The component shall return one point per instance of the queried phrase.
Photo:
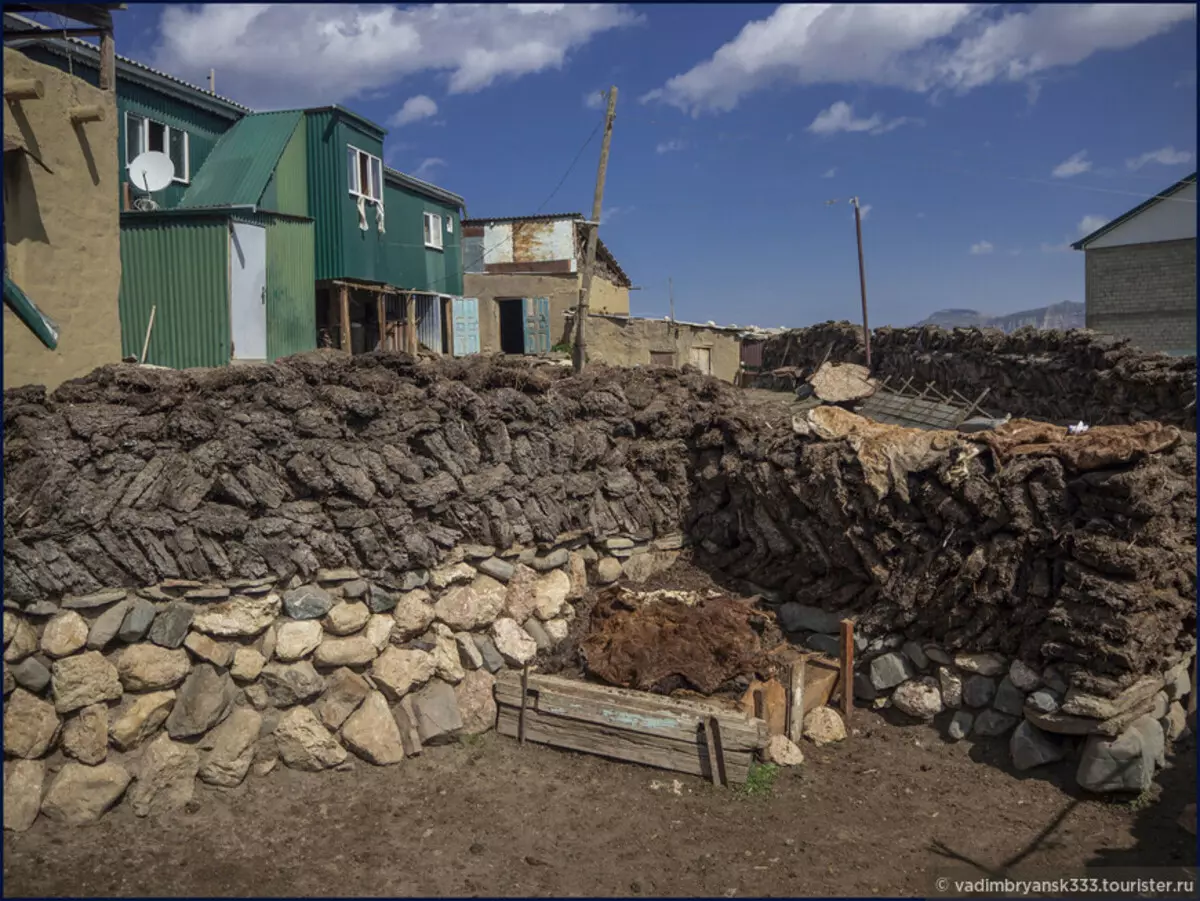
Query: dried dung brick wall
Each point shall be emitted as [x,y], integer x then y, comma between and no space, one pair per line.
[1048,375]
[208,572]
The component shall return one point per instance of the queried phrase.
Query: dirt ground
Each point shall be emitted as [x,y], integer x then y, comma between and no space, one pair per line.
[490,818]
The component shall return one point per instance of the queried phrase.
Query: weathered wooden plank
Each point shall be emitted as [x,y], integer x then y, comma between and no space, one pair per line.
[649,719]
[620,744]
[795,711]
[628,709]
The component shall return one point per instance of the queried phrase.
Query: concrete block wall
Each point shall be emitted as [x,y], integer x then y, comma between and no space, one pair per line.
[1146,293]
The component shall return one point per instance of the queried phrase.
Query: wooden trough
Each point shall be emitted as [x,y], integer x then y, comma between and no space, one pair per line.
[686,736]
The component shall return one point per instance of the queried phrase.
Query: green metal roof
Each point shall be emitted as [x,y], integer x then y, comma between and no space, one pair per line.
[239,167]
[423,187]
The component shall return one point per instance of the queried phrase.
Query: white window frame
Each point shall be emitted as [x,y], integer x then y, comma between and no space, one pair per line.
[356,188]
[145,144]
[435,229]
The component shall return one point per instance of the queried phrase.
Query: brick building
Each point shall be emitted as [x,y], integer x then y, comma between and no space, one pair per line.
[1140,272]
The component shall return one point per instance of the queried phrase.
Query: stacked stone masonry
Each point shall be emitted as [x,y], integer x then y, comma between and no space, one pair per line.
[210,572]
[1049,375]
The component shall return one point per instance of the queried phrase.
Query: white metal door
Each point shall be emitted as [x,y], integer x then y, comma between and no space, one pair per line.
[701,358]
[248,291]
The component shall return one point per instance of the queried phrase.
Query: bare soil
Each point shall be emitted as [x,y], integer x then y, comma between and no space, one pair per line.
[875,815]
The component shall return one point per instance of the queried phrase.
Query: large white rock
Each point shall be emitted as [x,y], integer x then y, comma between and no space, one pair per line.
[353,650]
[81,794]
[550,594]
[65,634]
[413,614]
[83,680]
[783,751]
[239,617]
[919,698]
[85,735]
[166,777]
[304,744]
[445,655]
[296,639]
[824,726]
[23,794]
[981,664]
[513,642]
[147,667]
[30,725]
[398,670]
[473,606]
[231,748]
[476,699]
[371,732]
[347,618]
[134,723]
[379,630]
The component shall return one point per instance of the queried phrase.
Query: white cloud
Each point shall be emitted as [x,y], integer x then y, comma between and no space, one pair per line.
[609,213]
[1167,156]
[429,166]
[864,210]
[981,248]
[830,173]
[918,47]
[1089,224]
[595,100]
[278,55]
[414,109]
[669,146]
[840,117]
[1056,248]
[1076,164]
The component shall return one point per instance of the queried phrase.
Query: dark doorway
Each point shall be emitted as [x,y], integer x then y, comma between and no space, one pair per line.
[512,326]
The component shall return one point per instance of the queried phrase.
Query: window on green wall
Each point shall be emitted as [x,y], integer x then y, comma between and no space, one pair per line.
[433,231]
[143,135]
[365,174]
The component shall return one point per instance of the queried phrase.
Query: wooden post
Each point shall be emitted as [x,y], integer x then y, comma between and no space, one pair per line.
[24,89]
[862,283]
[381,313]
[108,62]
[410,332]
[847,674]
[149,329]
[795,712]
[524,704]
[712,743]
[344,316]
[86,114]
[581,311]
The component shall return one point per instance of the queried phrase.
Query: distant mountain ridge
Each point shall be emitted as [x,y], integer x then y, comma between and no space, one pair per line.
[1068,314]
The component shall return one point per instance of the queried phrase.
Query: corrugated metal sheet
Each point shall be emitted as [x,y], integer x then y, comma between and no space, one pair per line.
[429,322]
[239,167]
[287,191]
[752,354]
[291,297]
[326,186]
[178,266]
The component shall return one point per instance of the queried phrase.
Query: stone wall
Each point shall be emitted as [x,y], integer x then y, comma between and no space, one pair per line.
[1048,375]
[210,570]
[1144,292]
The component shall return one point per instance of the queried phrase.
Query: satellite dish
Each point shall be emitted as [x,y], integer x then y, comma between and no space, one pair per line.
[151,171]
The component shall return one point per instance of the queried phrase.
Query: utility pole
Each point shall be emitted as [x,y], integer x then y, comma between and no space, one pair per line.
[581,311]
[674,330]
[862,277]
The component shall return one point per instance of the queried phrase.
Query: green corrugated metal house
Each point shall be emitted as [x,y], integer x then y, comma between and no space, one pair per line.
[228,273]
[293,208]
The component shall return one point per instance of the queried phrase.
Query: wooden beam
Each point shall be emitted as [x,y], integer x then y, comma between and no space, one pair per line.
[795,710]
[410,333]
[17,89]
[847,667]
[344,317]
[381,315]
[80,114]
[108,61]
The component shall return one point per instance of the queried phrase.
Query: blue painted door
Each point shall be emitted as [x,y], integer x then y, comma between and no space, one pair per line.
[537,325]
[466,326]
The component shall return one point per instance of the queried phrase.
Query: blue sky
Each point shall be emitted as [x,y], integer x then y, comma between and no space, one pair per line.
[980,139]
